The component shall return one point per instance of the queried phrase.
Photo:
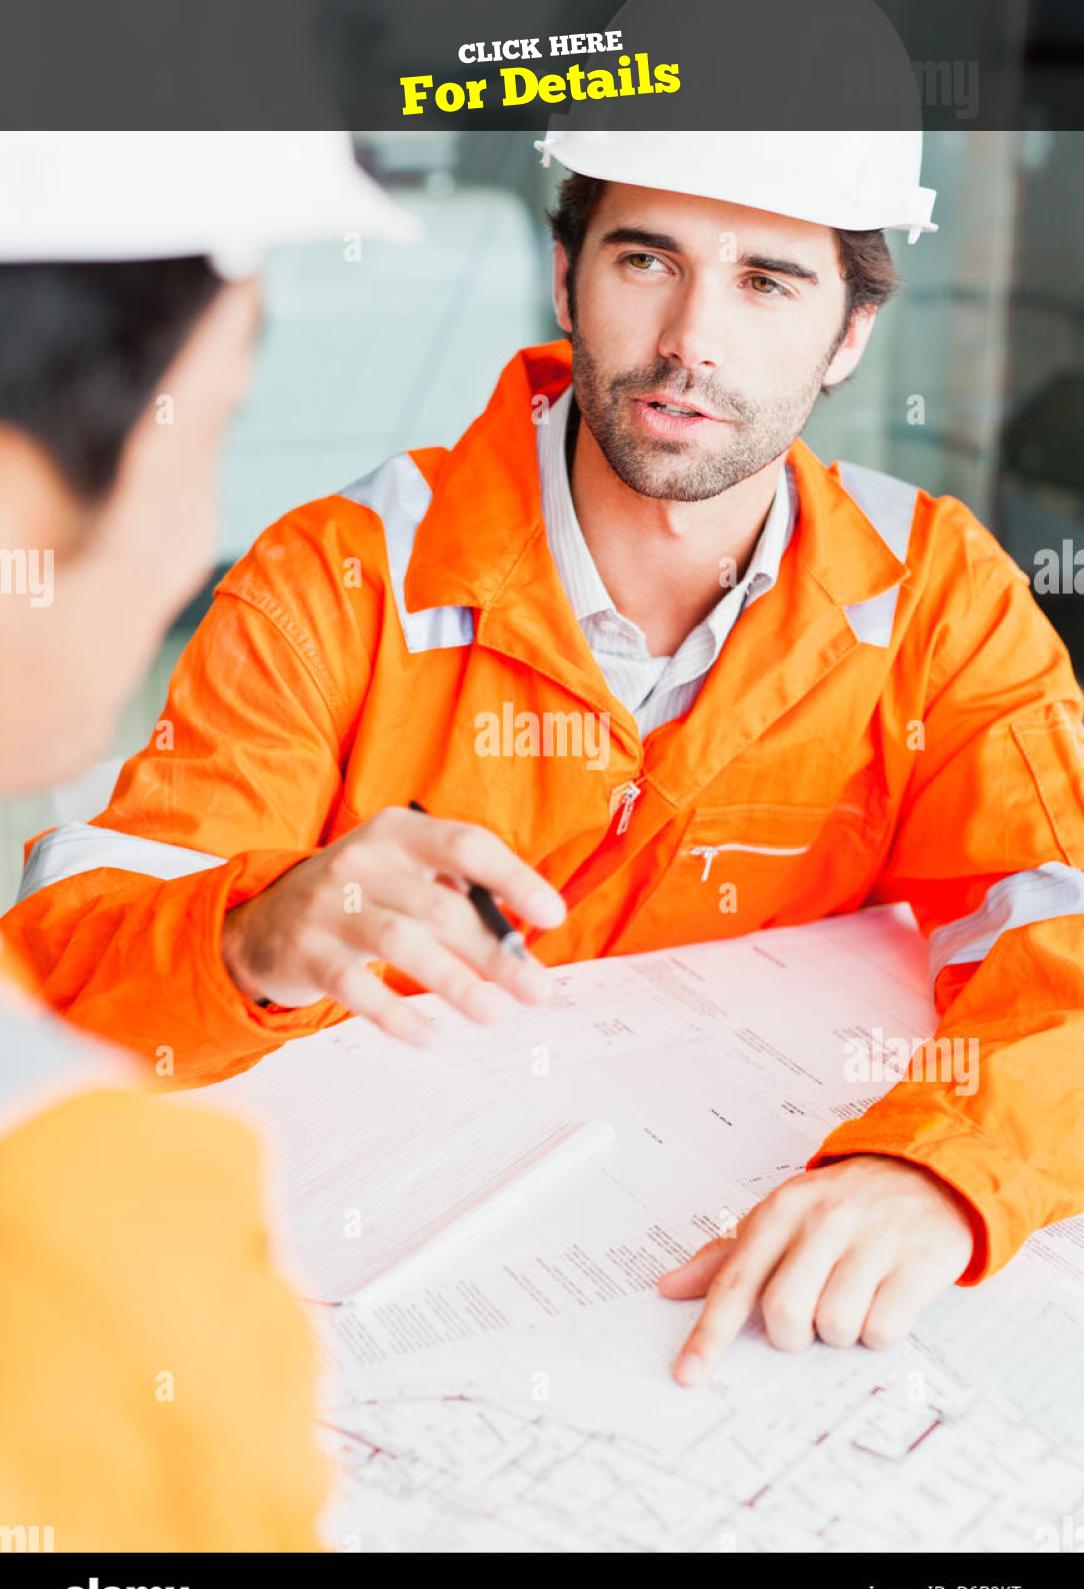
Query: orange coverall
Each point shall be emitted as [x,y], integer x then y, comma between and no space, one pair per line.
[893,720]
[157,1379]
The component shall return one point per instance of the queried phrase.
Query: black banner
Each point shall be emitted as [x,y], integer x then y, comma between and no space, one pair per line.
[488,64]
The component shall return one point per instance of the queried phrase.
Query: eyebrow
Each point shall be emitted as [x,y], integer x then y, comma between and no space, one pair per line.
[670,245]
[780,267]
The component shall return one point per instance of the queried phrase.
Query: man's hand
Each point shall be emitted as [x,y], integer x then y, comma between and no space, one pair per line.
[391,891]
[851,1252]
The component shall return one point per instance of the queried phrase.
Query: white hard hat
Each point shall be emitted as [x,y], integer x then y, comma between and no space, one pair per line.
[855,181]
[111,196]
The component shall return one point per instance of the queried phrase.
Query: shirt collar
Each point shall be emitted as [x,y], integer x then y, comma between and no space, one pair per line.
[577,569]
[579,574]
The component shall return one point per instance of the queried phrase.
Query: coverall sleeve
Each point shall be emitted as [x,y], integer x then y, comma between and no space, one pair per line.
[234,788]
[989,851]
[157,1377]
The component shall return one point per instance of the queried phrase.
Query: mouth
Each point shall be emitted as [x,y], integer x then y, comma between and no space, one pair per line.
[673,405]
[665,416]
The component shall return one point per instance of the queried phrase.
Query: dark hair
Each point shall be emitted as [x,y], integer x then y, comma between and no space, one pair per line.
[81,348]
[867,266]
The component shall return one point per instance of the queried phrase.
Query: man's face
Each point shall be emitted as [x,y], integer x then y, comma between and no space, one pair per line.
[124,568]
[702,334]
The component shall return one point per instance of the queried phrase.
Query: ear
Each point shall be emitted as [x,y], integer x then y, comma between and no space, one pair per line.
[37,506]
[560,288]
[849,353]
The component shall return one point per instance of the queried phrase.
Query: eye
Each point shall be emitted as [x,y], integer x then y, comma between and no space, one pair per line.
[777,290]
[642,263]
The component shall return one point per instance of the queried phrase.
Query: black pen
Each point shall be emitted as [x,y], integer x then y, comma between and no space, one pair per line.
[489,912]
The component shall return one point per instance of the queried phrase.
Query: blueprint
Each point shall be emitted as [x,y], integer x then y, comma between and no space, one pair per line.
[516,1394]
[895,1455]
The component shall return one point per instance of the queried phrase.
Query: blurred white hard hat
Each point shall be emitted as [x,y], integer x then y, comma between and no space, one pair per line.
[111,196]
[855,181]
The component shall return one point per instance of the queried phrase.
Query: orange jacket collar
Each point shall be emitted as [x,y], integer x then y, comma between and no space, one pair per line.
[486,513]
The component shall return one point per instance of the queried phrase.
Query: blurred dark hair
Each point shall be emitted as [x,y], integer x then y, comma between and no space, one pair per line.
[866,263]
[82,348]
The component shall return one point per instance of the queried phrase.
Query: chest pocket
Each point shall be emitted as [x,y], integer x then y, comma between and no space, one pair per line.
[739,868]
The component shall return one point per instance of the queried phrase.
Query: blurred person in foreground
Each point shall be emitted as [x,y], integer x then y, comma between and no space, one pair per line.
[156,1374]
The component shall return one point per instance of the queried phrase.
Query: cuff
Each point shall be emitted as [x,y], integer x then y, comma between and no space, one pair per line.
[239,880]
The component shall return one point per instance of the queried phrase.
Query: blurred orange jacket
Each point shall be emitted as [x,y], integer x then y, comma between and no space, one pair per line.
[157,1379]
[893,720]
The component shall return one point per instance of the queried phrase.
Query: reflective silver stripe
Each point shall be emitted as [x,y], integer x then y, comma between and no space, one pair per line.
[889,505]
[77,848]
[399,495]
[1051,890]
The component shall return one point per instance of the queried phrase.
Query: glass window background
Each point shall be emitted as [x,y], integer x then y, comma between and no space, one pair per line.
[973,382]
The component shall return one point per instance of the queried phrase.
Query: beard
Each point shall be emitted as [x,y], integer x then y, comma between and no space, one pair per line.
[674,471]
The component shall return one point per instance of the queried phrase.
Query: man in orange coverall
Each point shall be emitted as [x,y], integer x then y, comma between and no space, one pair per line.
[157,1378]
[836,687]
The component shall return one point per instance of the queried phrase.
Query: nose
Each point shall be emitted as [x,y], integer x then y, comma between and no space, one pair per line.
[692,336]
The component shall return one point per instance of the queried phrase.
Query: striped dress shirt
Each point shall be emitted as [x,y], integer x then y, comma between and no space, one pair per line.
[655,689]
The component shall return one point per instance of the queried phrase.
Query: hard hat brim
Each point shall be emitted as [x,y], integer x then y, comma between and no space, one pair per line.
[772,188]
[185,194]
